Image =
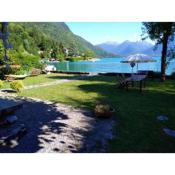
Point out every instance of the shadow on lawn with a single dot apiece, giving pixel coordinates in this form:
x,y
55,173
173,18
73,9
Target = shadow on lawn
x,y
137,116
109,93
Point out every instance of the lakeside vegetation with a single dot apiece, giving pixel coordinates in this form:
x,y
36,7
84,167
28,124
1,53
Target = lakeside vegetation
x,y
30,43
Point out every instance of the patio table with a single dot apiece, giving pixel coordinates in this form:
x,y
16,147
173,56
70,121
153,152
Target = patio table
x,y
137,78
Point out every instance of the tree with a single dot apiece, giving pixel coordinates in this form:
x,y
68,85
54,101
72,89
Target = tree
x,y
4,35
161,33
54,52
88,54
61,48
2,61
71,50
61,52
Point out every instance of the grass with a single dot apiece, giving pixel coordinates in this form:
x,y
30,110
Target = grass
x,y
42,79
137,128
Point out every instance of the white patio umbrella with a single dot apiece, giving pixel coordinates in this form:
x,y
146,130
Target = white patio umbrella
x,y
137,58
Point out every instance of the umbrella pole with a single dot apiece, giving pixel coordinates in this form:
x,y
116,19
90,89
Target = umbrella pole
x,y
137,67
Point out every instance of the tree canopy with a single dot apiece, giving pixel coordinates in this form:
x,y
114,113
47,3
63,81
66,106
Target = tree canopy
x,y
160,32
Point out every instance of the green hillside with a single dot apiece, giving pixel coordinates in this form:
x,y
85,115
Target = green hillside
x,y
31,37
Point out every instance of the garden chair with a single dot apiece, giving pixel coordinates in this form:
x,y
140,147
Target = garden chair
x,y
122,81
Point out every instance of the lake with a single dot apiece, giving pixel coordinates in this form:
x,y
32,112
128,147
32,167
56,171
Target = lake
x,y
106,65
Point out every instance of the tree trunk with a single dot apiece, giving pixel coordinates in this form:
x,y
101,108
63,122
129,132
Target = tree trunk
x,y
163,57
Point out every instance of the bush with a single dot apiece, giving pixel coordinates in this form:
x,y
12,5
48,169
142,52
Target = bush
x,y
17,85
61,57
21,71
25,60
3,71
1,84
102,108
104,111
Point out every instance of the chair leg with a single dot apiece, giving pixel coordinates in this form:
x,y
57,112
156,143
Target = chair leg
x,y
127,86
141,86
132,83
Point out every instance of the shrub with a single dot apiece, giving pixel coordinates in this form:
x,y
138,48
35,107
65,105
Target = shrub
x,y
61,57
3,71
25,60
102,108
21,71
17,85
1,84
104,111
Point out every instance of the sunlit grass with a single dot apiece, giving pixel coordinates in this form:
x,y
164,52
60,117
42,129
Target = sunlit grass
x,y
42,79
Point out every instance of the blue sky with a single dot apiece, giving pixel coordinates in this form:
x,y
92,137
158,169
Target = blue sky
x,y
99,32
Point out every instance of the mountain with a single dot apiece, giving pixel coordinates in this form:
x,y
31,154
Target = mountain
x,y
155,50
33,36
128,47
109,46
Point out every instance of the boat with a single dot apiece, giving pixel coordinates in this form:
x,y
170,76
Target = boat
x,y
50,68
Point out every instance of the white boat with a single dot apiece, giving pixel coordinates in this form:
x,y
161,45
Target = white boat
x,y
50,68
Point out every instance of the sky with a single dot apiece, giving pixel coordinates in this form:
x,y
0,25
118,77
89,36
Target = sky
x,y
100,32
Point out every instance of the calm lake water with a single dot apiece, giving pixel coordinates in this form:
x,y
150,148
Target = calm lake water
x,y
106,65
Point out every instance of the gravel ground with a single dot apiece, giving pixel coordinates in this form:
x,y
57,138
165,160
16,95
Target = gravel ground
x,y
53,127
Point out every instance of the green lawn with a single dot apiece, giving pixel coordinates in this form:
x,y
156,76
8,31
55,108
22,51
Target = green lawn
x,y
42,79
137,129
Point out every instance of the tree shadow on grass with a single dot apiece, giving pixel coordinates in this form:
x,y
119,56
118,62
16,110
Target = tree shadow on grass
x,y
137,116
109,93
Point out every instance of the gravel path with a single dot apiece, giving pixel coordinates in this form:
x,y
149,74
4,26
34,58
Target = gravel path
x,y
53,127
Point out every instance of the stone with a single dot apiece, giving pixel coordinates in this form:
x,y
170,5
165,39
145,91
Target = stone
x,y
8,120
8,90
17,132
169,132
162,118
11,119
8,107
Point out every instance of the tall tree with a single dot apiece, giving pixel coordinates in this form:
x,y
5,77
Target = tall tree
x,y
61,52
160,32
61,48
4,35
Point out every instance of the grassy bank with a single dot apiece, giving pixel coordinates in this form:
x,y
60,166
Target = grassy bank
x,y
138,129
